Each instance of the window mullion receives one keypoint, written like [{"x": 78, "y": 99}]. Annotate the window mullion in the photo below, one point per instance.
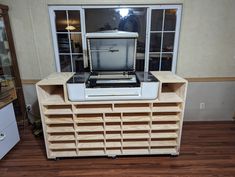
[
  {"x": 176, "y": 39},
  {"x": 147, "y": 40},
  {"x": 83, "y": 31},
  {"x": 162, "y": 38},
  {"x": 54, "y": 38},
  {"x": 70, "y": 45}
]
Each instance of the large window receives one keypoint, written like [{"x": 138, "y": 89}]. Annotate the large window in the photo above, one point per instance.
[
  {"x": 157, "y": 26},
  {"x": 122, "y": 19}
]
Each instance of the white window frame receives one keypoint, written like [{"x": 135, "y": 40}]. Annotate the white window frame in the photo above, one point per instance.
[
  {"x": 54, "y": 33},
  {"x": 82, "y": 8},
  {"x": 177, "y": 33}
]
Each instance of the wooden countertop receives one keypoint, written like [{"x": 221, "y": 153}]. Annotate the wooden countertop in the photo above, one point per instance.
[{"x": 62, "y": 77}]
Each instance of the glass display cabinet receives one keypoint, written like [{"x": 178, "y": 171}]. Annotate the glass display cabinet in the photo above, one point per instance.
[{"x": 10, "y": 82}]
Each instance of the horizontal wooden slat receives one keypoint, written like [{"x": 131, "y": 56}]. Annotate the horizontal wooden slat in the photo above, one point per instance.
[
  {"x": 112, "y": 119},
  {"x": 65, "y": 153},
  {"x": 165, "y": 118},
  {"x": 89, "y": 128},
  {"x": 164, "y": 135},
  {"x": 166, "y": 109},
  {"x": 91, "y": 137},
  {"x": 163, "y": 151},
  {"x": 135, "y": 144},
  {"x": 88, "y": 111},
  {"x": 113, "y": 144},
  {"x": 169, "y": 97},
  {"x": 60, "y": 129},
  {"x": 163, "y": 143},
  {"x": 135, "y": 135},
  {"x": 90, "y": 152},
  {"x": 165, "y": 127},
  {"x": 136, "y": 118},
  {"x": 112, "y": 127},
  {"x": 88, "y": 120},
  {"x": 136, "y": 127},
  {"x": 62, "y": 146},
  {"x": 113, "y": 151},
  {"x": 135, "y": 151},
  {"x": 61, "y": 137},
  {"x": 59, "y": 120},
  {"x": 91, "y": 145},
  {"x": 57, "y": 111},
  {"x": 134, "y": 110},
  {"x": 113, "y": 136}
]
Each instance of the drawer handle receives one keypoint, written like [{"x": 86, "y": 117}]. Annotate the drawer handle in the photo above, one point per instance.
[{"x": 2, "y": 136}]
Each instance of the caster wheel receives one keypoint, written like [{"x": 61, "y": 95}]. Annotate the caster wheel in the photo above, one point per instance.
[
  {"x": 174, "y": 155},
  {"x": 112, "y": 156}
]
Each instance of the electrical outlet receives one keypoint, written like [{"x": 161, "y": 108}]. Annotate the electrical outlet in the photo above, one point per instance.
[
  {"x": 28, "y": 107},
  {"x": 202, "y": 105}
]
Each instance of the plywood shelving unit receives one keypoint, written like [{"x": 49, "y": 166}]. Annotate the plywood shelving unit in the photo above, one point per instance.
[{"x": 129, "y": 127}]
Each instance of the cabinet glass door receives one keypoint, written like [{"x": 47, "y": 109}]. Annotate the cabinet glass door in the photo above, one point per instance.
[{"x": 6, "y": 70}]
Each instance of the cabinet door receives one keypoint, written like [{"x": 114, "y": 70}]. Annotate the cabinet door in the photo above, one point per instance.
[
  {"x": 9, "y": 72},
  {"x": 7, "y": 116},
  {"x": 8, "y": 139},
  {"x": 9, "y": 134}
]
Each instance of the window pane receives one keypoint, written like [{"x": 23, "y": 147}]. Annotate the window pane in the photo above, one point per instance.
[
  {"x": 76, "y": 43},
  {"x": 166, "y": 62},
  {"x": 156, "y": 20},
  {"x": 170, "y": 20},
  {"x": 78, "y": 63},
  {"x": 65, "y": 63},
  {"x": 155, "y": 42},
  {"x": 124, "y": 19},
  {"x": 61, "y": 21},
  {"x": 74, "y": 20},
  {"x": 6, "y": 71},
  {"x": 63, "y": 43},
  {"x": 168, "y": 42},
  {"x": 154, "y": 60}
]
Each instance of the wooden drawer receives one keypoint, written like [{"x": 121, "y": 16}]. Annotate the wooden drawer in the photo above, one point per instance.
[
  {"x": 8, "y": 138},
  {"x": 7, "y": 116}
]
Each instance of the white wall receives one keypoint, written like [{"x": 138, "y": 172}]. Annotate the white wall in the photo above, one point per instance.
[
  {"x": 219, "y": 99},
  {"x": 31, "y": 99},
  {"x": 207, "y": 39}
]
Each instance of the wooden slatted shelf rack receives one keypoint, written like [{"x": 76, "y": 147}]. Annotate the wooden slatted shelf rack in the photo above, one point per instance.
[{"x": 128, "y": 127}]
